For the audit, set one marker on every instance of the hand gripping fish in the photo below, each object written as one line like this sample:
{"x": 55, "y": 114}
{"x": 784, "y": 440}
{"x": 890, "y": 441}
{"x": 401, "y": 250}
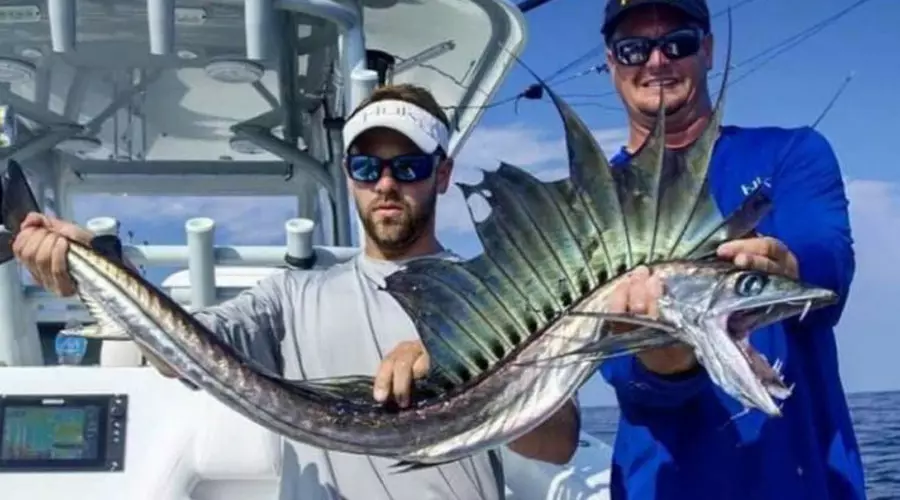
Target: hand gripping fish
{"x": 513, "y": 333}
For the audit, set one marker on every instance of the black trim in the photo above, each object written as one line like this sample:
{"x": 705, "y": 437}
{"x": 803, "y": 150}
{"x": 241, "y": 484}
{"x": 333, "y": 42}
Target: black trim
{"x": 300, "y": 262}
{"x": 112, "y": 421}
{"x": 108, "y": 245}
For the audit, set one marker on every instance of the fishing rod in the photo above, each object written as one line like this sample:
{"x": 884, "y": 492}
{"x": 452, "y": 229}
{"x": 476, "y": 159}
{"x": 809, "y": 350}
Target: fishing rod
{"x": 535, "y": 92}
{"x": 762, "y": 57}
{"x": 834, "y": 99}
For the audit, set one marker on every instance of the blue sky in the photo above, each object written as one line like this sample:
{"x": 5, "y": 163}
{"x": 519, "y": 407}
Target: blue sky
{"x": 791, "y": 90}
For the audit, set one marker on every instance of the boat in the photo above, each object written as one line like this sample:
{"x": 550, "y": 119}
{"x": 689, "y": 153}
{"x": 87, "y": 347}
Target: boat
{"x": 195, "y": 98}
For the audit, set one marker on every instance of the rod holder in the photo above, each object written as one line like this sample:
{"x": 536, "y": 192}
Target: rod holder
{"x": 258, "y": 26}
{"x": 299, "y": 236}
{"x": 62, "y": 25}
{"x": 161, "y": 26}
{"x": 103, "y": 226}
{"x": 201, "y": 260}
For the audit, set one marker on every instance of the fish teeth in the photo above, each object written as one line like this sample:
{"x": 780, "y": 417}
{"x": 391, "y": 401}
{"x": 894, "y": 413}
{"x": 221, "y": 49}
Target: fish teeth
{"x": 805, "y": 309}
{"x": 777, "y": 366}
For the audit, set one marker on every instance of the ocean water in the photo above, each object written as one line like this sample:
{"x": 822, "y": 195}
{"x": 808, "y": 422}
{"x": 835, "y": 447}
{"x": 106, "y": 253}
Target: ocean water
{"x": 876, "y": 418}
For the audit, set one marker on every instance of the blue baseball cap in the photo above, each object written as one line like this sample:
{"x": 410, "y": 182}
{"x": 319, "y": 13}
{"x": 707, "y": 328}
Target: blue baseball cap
{"x": 617, "y": 9}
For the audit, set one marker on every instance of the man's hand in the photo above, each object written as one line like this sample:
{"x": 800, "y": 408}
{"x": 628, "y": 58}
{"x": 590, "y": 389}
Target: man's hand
{"x": 639, "y": 294}
{"x": 41, "y": 247}
{"x": 763, "y": 254}
{"x": 406, "y": 363}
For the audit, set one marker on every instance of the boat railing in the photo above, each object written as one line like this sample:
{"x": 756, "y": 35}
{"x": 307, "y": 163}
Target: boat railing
{"x": 199, "y": 256}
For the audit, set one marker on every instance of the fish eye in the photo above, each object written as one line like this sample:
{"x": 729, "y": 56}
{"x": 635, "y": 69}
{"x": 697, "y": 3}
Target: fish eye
{"x": 750, "y": 284}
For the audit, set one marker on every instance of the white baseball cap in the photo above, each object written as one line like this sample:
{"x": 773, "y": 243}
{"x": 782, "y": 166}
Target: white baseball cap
{"x": 421, "y": 127}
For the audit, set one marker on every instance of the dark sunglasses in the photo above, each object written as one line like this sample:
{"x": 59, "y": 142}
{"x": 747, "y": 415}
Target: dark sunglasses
{"x": 677, "y": 44}
{"x": 405, "y": 168}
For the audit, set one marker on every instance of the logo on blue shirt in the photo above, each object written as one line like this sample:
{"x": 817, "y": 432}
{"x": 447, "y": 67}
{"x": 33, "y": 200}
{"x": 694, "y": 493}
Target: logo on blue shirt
{"x": 753, "y": 185}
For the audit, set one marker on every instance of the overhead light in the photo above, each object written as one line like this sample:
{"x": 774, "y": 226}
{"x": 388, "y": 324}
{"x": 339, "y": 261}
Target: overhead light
{"x": 16, "y": 70}
{"x": 234, "y": 71}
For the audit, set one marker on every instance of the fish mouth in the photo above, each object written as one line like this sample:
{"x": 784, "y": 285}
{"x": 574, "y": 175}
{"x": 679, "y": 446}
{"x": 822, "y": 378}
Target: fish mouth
{"x": 757, "y": 312}
{"x": 754, "y": 313}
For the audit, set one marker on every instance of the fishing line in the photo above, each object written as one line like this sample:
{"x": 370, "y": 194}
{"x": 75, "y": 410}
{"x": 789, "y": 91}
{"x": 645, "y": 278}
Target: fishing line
{"x": 535, "y": 92}
{"x": 761, "y": 58}
{"x": 779, "y": 48}
{"x": 793, "y": 41}
{"x": 834, "y": 99}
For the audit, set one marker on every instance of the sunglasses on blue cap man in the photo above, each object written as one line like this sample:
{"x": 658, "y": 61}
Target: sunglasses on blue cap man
{"x": 427, "y": 132}
{"x": 677, "y": 44}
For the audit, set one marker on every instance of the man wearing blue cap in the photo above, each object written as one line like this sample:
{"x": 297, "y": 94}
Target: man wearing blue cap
{"x": 680, "y": 436}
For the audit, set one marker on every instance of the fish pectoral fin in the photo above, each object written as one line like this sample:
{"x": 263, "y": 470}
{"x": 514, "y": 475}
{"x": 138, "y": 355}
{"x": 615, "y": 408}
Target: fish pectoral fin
{"x": 614, "y": 319}
{"x": 649, "y": 334}
{"x": 6, "y": 253}
{"x": 112, "y": 332}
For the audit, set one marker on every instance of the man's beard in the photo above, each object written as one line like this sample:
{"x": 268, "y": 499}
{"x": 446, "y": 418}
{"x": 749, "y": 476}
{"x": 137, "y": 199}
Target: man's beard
{"x": 394, "y": 235}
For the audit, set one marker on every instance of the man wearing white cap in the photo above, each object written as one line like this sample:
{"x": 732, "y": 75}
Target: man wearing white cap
{"x": 327, "y": 323}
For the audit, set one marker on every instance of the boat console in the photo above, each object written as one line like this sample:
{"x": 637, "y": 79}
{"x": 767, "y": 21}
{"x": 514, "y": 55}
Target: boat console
{"x": 113, "y": 433}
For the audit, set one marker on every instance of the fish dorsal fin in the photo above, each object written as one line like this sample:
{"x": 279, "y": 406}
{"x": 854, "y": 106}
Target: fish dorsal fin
{"x": 549, "y": 244}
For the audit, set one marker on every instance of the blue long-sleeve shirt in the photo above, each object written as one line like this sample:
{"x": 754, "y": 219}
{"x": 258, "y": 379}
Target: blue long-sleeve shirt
{"x": 674, "y": 439}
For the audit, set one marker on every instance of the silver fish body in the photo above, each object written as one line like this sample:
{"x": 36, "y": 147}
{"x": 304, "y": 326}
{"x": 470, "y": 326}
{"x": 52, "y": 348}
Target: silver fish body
{"x": 514, "y": 332}
{"x": 530, "y": 314}
{"x": 444, "y": 424}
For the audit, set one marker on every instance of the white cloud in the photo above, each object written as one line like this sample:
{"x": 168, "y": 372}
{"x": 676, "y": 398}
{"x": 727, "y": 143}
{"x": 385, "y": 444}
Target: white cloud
{"x": 243, "y": 220}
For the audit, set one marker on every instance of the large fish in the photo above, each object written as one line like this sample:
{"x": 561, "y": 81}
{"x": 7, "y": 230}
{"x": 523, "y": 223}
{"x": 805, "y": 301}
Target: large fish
{"x": 516, "y": 330}
{"x": 512, "y": 333}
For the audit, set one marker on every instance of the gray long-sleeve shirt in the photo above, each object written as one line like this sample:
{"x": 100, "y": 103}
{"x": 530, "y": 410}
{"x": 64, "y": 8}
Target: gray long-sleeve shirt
{"x": 334, "y": 322}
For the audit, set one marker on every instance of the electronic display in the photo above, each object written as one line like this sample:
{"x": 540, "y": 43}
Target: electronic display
{"x": 50, "y": 433}
{"x": 64, "y": 433}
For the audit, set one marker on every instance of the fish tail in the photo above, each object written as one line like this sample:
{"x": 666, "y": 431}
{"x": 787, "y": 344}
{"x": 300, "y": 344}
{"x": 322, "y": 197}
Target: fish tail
{"x": 16, "y": 202}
